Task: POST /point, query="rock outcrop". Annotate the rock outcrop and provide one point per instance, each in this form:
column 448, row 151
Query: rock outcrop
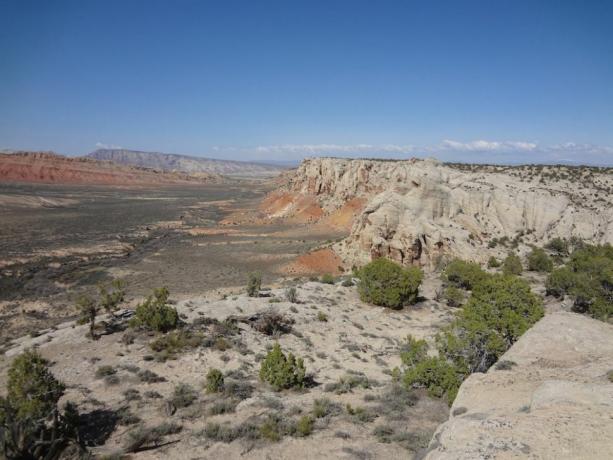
column 420, row 211
column 555, row 402
column 47, row 167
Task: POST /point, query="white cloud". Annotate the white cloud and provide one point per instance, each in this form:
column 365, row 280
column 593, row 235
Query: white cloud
column 332, row 149
column 101, row 145
column 478, row 151
column 489, row 146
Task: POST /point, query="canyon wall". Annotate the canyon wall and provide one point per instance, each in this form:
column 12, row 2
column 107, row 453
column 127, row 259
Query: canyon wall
column 421, row 211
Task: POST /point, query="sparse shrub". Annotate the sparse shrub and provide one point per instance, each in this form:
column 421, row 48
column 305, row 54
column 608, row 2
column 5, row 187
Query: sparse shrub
column 183, row 396
column 167, row 346
column 560, row 282
column 148, row 376
column 558, row 246
column 512, row 265
column 462, row 274
column 272, row 322
column 214, row 381
column 539, row 261
column 254, row 284
column 111, row 296
column 88, row 310
column 347, row 383
column 105, row 371
column 492, row 243
column 454, row 296
column 492, row 262
column 324, row 407
column 291, row 294
column 304, row 426
column 413, row 351
column 610, row 376
column 321, row 316
column 282, row 371
column 360, row 414
column 385, row 283
column 327, row 278
column 155, row 314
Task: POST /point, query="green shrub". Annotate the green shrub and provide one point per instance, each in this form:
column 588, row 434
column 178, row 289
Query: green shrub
column 304, row 426
column 413, row 351
column 327, row 278
column 111, row 296
column 454, row 296
column 463, row 274
column 321, row 316
column 183, row 396
column 539, row 261
column 500, row 309
column 32, row 390
column 167, row 346
column 512, row 265
column 155, row 314
column 385, row 283
column 214, row 381
column 493, row 262
column 291, row 295
column 588, row 277
column 558, row 246
column 254, row 284
column 282, row 371
column 435, row 374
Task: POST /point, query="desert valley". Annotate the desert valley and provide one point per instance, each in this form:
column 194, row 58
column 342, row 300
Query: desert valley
column 347, row 308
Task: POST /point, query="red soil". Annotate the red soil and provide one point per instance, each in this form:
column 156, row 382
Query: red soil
column 46, row 167
column 316, row 262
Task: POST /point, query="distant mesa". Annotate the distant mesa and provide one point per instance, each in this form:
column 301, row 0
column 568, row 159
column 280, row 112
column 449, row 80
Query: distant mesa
column 187, row 164
column 49, row 167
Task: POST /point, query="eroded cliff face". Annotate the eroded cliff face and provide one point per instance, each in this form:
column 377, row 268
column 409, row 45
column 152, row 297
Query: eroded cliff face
column 420, row 211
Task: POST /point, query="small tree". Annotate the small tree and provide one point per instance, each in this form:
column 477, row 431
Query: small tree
column 111, row 297
column 385, row 283
column 539, row 261
column 282, row 371
column 254, row 284
column 493, row 262
column 454, row 296
column 155, row 314
column 32, row 390
column 88, row 310
column 214, row 381
column 512, row 265
column 291, row 294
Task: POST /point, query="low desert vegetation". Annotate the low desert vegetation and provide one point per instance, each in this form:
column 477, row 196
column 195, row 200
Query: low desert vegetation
column 281, row 371
column 155, row 314
column 539, row 261
column 462, row 274
column 387, row 284
column 499, row 310
column 512, row 265
column 588, row 279
column 214, row 381
column 254, row 284
column 327, row 278
column 493, row 262
column 110, row 297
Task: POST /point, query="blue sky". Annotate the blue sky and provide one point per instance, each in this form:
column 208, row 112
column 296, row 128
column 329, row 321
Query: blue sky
column 462, row 80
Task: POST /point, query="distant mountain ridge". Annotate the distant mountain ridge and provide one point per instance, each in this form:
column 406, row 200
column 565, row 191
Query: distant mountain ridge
column 186, row 163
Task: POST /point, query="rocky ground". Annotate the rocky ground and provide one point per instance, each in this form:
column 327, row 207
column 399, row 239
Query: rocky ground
column 349, row 350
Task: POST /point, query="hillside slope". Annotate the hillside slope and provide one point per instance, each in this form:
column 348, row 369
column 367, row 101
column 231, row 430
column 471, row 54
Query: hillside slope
column 184, row 163
column 47, row 167
column 420, row 211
